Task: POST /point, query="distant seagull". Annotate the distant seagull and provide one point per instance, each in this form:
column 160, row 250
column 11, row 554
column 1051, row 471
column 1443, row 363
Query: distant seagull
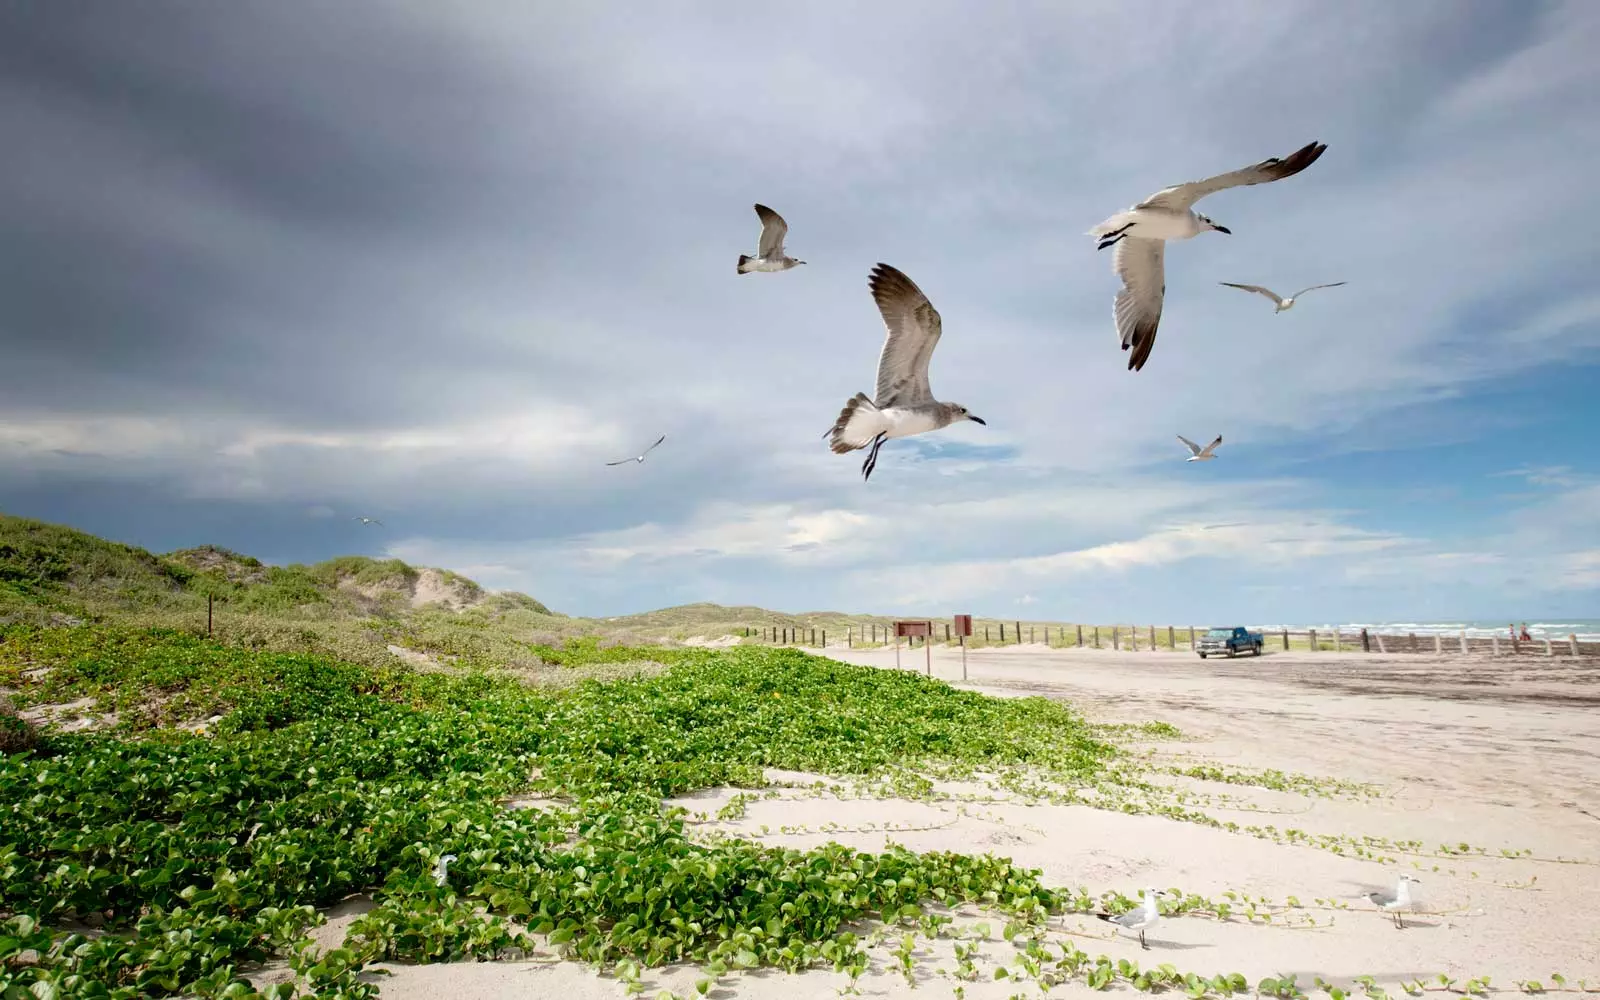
column 1282, row 303
column 367, row 520
column 1142, row 232
column 1198, row 454
column 770, row 255
column 639, row 457
column 1141, row 918
column 904, row 405
column 1230, row 524
column 1396, row 900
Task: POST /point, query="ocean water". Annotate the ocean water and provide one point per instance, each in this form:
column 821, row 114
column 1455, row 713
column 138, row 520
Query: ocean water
column 1586, row 629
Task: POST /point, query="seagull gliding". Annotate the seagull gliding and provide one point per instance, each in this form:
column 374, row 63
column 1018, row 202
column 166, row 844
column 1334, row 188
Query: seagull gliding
column 770, row 255
column 1198, row 454
column 639, row 457
column 1281, row 302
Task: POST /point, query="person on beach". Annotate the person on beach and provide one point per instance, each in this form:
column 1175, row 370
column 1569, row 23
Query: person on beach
column 1525, row 636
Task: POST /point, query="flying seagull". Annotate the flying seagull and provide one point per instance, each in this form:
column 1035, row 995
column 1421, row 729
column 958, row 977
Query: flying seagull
column 1197, row 453
column 1140, row 235
column 1282, row 303
column 904, row 405
column 770, row 255
column 1393, row 901
column 1141, row 918
column 639, row 457
column 366, row 520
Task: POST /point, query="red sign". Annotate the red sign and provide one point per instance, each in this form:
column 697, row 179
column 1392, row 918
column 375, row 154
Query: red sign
column 963, row 624
column 913, row 628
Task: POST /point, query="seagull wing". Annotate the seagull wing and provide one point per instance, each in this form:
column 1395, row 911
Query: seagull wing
column 1194, row 448
column 621, row 461
column 1212, row 445
column 1302, row 291
column 1140, row 265
column 773, row 230
column 652, row 447
column 1269, row 293
column 1180, row 197
column 913, row 331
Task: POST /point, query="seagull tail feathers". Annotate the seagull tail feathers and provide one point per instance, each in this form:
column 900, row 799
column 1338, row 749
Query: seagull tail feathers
column 1107, row 917
column 859, row 422
column 744, row 260
column 1111, row 225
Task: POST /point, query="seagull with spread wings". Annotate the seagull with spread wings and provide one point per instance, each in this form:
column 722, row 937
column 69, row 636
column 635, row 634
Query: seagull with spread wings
column 770, row 255
column 904, row 404
column 1197, row 453
column 1140, row 235
column 639, row 457
column 367, row 520
column 1278, row 300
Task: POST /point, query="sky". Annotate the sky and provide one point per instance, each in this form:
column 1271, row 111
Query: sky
column 268, row 267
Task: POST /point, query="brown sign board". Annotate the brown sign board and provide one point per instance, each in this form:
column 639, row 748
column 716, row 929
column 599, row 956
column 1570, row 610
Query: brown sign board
column 963, row 625
column 923, row 629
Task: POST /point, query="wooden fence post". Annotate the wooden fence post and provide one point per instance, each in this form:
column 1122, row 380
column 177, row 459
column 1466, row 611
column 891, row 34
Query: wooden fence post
column 1366, row 642
column 1463, row 641
column 1019, row 631
column 1285, row 640
column 946, row 631
column 1413, row 642
column 1438, row 643
column 1547, row 650
column 1191, row 638
column 1116, row 637
column 824, row 638
column 1172, row 640
column 1097, row 637
column 850, row 638
column 1030, row 634
column 1516, row 646
column 1133, row 637
column 1152, row 638
column 1313, row 640
column 986, row 633
column 1572, row 642
column 1494, row 647
column 1080, row 641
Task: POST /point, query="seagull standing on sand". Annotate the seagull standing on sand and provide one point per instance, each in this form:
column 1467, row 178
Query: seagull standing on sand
column 1141, row 918
column 639, row 457
column 1281, row 302
column 367, row 520
column 1197, row 453
column 1140, row 235
column 1394, row 901
column 770, row 255
column 904, row 405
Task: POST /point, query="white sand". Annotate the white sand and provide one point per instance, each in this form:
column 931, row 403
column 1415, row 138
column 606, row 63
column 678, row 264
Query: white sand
column 1499, row 755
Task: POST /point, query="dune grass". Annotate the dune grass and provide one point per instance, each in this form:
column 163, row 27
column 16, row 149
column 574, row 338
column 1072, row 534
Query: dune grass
column 200, row 855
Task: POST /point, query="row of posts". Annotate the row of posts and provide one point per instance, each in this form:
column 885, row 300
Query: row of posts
column 819, row 637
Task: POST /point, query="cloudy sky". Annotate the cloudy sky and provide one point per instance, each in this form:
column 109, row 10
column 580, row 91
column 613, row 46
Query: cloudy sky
column 267, row 266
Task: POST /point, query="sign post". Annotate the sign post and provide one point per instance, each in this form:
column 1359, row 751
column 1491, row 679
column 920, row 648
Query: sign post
column 914, row 629
column 963, row 629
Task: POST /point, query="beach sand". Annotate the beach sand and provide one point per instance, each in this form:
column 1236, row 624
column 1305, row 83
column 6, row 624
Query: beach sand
column 1495, row 754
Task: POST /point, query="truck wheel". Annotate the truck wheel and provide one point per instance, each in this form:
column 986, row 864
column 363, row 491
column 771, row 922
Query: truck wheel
column 1230, row 652
column 1202, row 656
column 1258, row 649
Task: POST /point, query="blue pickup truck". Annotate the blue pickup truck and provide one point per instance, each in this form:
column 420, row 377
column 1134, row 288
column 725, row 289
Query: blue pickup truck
column 1231, row 641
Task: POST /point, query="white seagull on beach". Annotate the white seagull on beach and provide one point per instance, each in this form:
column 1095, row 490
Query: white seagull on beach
column 1141, row 918
column 1281, row 302
column 441, row 873
column 770, row 255
column 1394, row 901
column 639, row 457
column 1197, row 453
column 366, row 520
column 1140, row 235
column 904, row 405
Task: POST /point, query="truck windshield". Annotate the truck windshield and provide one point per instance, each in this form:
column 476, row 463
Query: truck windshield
column 1219, row 633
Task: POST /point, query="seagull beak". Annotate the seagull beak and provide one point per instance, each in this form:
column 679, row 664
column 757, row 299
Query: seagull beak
column 977, row 420
column 1222, row 229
